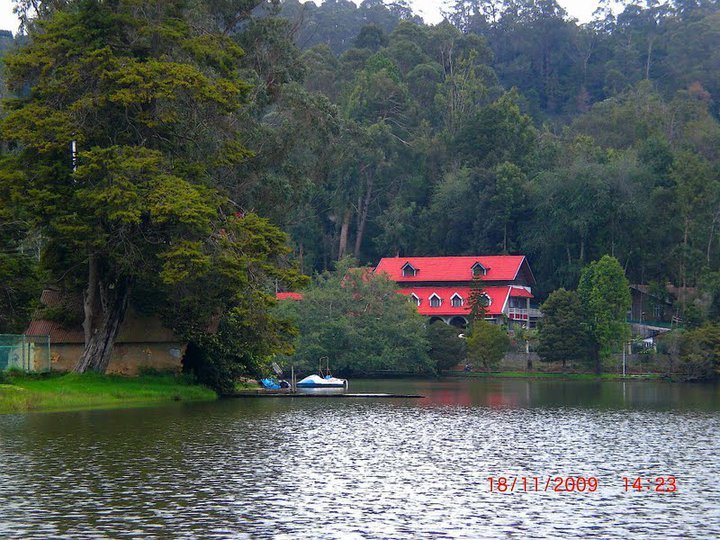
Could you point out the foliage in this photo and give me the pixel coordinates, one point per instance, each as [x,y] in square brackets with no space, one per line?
[604,292]
[487,344]
[561,332]
[20,286]
[140,207]
[357,320]
[247,339]
[478,300]
[700,353]
[446,348]
[509,128]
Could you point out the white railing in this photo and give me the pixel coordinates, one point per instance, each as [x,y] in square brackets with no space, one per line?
[521,313]
[517,313]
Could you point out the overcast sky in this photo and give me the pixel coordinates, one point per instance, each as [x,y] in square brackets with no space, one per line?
[428,9]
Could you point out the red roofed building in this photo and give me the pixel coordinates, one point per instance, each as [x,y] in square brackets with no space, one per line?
[440,286]
[288,296]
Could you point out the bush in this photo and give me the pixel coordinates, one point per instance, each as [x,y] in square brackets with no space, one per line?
[446,348]
[700,353]
[487,344]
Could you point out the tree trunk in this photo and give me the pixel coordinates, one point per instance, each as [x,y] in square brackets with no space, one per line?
[105,305]
[90,297]
[527,352]
[364,211]
[342,248]
[686,235]
[649,58]
[711,236]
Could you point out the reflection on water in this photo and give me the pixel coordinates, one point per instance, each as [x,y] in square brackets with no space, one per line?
[329,468]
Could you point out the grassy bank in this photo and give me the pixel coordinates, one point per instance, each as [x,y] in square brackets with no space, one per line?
[546,375]
[23,393]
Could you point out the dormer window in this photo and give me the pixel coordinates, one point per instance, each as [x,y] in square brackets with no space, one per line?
[408,270]
[415,299]
[485,300]
[435,300]
[478,270]
[457,300]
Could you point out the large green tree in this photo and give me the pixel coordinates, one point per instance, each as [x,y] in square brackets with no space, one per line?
[604,292]
[147,99]
[561,333]
[359,321]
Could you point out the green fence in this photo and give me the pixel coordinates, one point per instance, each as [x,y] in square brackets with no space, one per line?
[24,352]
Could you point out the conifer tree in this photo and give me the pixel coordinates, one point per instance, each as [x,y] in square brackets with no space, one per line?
[124,124]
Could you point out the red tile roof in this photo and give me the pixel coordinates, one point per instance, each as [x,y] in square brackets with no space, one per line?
[499,268]
[289,296]
[55,330]
[498,299]
[519,292]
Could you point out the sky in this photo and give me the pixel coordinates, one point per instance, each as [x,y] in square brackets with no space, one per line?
[429,9]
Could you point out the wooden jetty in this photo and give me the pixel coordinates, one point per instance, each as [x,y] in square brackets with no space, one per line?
[287,393]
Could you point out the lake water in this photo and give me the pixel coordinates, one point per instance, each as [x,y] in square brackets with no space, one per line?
[378,468]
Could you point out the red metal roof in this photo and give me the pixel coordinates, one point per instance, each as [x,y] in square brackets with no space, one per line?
[289,296]
[519,292]
[499,268]
[498,298]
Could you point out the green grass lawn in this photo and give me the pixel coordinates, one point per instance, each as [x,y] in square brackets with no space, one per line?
[23,393]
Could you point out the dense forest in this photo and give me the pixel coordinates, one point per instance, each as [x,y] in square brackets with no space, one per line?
[507,128]
[359,130]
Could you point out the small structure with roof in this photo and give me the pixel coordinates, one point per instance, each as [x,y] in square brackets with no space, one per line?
[143,342]
[440,287]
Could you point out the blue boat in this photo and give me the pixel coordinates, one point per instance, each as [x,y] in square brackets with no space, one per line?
[273,384]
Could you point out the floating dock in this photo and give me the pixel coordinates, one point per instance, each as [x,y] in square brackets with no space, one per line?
[289,394]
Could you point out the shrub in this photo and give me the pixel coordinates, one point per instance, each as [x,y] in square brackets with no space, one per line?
[487,344]
[446,348]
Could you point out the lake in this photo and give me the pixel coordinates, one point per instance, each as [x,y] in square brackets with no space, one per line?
[474,459]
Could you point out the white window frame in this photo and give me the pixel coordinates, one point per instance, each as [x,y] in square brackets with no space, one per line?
[452,300]
[411,267]
[435,295]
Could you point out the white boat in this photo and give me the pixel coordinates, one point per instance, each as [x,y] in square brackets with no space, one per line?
[316,381]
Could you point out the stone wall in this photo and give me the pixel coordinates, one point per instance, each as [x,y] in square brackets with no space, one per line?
[127,358]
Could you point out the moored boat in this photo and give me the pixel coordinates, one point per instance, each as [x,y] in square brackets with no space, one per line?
[316,381]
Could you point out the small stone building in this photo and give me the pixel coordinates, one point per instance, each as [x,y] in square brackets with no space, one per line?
[143,342]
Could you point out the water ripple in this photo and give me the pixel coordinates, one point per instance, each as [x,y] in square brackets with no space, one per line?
[360,469]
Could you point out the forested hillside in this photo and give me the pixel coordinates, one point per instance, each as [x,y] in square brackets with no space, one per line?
[508,128]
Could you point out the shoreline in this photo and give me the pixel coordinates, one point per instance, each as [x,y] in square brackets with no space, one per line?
[67,392]
[27,393]
[556,376]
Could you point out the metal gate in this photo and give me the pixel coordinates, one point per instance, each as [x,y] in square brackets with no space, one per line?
[24,352]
